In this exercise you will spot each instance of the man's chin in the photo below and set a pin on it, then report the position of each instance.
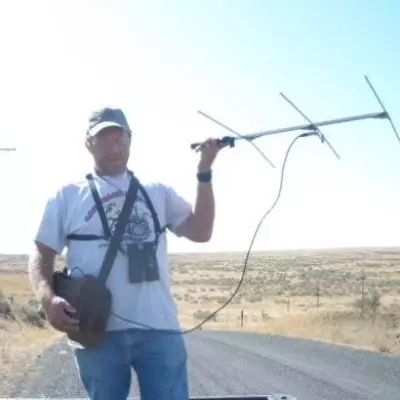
(117, 165)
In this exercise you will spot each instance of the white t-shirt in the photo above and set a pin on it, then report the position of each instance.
(72, 210)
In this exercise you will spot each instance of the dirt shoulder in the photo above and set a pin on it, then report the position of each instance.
(24, 334)
(377, 333)
(20, 346)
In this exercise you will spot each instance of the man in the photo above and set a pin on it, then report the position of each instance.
(158, 358)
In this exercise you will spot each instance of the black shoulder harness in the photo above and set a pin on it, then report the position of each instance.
(106, 229)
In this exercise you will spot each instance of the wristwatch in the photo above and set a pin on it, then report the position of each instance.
(204, 176)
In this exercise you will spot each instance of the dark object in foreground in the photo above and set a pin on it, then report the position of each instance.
(278, 396)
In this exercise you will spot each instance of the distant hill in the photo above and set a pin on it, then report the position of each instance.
(18, 262)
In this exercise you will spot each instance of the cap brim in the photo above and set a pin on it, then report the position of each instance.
(102, 125)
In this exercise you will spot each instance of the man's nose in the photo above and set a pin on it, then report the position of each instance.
(116, 148)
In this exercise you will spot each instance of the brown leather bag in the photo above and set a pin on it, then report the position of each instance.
(88, 294)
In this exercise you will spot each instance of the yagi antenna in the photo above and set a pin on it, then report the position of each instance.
(311, 126)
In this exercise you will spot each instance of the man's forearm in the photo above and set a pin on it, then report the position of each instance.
(199, 226)
(40, 270)
(202, 222)
(204, 211)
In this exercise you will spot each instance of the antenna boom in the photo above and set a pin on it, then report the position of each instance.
(309, 126)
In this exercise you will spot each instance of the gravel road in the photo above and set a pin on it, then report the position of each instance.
(232, 363)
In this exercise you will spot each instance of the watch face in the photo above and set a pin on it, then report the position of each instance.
(204, 176)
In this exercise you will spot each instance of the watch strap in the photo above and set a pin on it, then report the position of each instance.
(204, 176)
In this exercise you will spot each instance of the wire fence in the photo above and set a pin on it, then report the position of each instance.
(367, 300)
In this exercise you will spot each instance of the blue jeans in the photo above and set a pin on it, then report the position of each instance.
(159, 360)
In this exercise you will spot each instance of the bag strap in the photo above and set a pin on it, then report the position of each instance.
(123, 218)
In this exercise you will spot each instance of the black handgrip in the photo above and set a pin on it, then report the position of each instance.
(225, 141)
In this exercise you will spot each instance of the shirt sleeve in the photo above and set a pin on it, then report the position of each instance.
(178, 210)
(50, 230)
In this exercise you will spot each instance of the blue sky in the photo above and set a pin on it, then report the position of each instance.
(163, 60)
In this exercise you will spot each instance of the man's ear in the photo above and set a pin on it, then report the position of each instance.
(88, 144)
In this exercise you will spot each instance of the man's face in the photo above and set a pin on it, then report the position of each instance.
(110, 149)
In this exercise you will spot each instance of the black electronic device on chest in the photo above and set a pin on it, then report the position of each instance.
(141, 256)
(143, 265)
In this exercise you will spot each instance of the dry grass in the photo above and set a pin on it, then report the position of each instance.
(279, 295)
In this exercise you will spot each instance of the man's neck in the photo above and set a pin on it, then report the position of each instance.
(103, 174)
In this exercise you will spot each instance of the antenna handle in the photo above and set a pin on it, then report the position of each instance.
(222, 142)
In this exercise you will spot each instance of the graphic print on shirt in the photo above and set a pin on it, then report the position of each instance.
(140, 225)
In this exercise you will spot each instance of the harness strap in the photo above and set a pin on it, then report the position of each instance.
(99, 206)
(157, 227)
(83, 237)
(103, 218)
